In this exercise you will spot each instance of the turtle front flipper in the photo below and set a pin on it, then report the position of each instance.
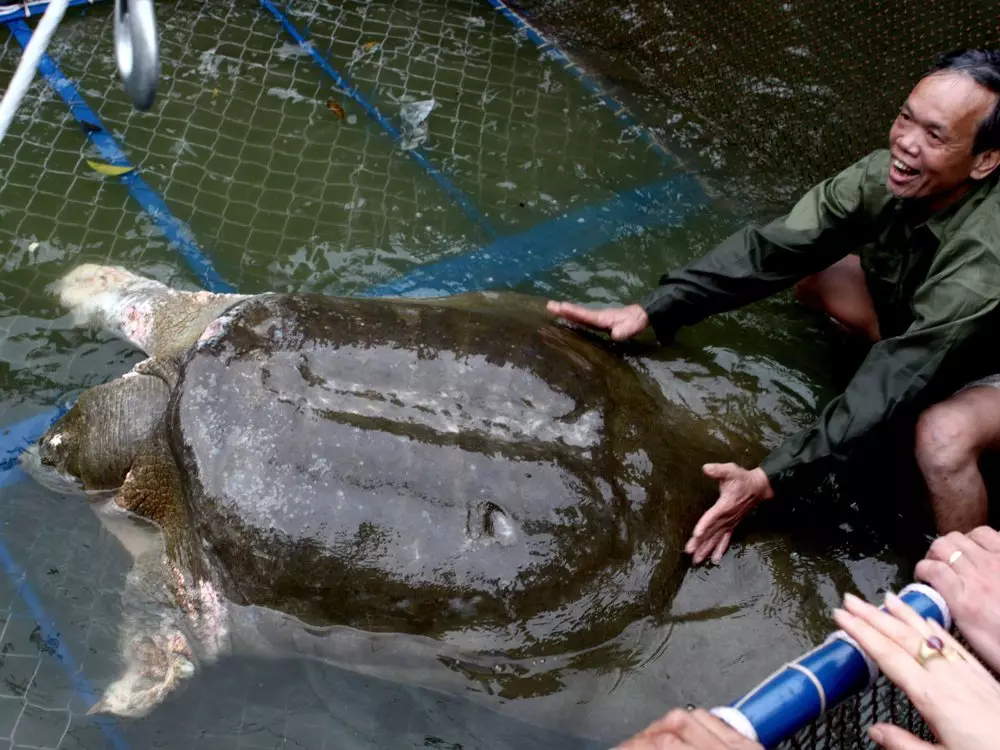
(173, 619)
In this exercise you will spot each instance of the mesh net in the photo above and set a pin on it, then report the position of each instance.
(282, 177)
(287, 183)
(786, 91)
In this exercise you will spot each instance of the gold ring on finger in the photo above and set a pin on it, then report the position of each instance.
(954, 557)
(952, 654)
(930, 648)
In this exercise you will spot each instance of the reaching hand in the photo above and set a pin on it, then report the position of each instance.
(622, 322)
(739, 492)
(965, 570)
(694, 730)
(957, 697)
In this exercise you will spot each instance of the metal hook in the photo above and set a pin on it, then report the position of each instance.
(137, 50)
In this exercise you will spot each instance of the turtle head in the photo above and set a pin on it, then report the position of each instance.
(98, 294)
(47, 466)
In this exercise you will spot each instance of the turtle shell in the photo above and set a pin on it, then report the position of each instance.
(420, 466)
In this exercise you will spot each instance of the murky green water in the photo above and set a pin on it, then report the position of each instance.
(282, 193)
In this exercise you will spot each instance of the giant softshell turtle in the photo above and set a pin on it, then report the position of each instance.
(296, 468)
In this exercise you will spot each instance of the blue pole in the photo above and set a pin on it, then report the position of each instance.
(803, 690)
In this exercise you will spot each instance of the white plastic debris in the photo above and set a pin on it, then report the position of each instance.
(414, 117)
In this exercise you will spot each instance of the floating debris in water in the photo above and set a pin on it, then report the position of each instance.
(289, 50)
(368, 49)
(109, 170)
(334, 106)
(288, 94)
(414, 116)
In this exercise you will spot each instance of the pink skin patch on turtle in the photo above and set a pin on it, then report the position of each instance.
(212, 330)
(136, 326)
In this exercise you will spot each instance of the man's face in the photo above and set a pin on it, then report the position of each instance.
(931, 139)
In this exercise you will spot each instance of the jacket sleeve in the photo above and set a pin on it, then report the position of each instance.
(823, 227)
(956, 309)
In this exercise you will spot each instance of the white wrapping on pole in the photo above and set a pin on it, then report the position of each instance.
(28, 65)
(734, 718)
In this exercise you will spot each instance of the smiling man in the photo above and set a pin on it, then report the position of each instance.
(903, 248)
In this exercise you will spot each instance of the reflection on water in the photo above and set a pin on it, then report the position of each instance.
(284, 195)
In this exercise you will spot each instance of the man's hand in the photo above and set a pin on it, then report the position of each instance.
(739, 492)
(622, 322)
(970, 584)
(683, 730)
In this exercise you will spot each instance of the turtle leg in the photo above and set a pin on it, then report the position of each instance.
(173, 617)
(158, 655)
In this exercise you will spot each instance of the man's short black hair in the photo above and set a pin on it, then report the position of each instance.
(983, 66)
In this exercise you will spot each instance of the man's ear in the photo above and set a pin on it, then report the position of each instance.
(985, 163)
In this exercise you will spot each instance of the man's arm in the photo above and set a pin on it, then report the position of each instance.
(954, 308)
(957, 311)
(823, 227)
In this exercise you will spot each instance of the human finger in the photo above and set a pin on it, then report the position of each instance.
(986, 537)
(719, 472)
(694, 729)
(707, 546)
(707, 523)
(660, 734)
(956, 550)
(897, 622)
(915, 634)
(956, 648)
(721, 547)
(892, 737)
(579, 314)
(895, 662)
(905, 613)
(625, 328)
(721, 729)
(941, 577)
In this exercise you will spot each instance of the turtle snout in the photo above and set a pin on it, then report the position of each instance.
(54, 450)
(46, 466)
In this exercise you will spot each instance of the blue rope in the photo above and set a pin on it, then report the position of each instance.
(372, 111)
(516, 259)
(81, 685)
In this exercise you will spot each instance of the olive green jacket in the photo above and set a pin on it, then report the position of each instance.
(934, 281)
